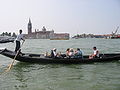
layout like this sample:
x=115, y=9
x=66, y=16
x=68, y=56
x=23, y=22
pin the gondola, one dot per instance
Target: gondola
x=40, y=58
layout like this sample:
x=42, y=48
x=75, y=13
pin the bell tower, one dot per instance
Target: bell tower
x=29, y=27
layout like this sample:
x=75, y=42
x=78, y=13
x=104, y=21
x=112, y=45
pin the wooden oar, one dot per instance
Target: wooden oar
x=10, y=66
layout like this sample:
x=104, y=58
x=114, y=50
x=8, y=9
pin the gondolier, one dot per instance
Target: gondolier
x=18, y=39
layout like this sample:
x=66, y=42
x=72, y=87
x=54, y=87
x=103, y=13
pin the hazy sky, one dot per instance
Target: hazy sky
x=72, y=16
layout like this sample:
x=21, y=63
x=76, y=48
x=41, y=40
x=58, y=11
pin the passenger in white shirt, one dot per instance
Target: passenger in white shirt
x=53, y=53
x=18, y=39
x=71, y=53
x=95, y=53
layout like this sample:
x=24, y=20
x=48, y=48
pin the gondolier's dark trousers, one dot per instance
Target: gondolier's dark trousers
x=17, y=46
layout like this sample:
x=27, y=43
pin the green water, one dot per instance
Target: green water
x=96, y=76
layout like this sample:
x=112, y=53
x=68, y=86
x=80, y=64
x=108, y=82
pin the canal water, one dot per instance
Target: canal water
x=95, y=76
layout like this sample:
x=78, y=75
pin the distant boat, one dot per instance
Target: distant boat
x=40, y=58
x=59, y=39
x=6, y=39
x=115, y=37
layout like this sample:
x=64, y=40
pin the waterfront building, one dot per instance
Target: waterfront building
x=44, y=34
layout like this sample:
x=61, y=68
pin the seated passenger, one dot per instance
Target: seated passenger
x=78, y=53
x=95, y=53
x=71, y=53
x=53, y=53
x=67, y=52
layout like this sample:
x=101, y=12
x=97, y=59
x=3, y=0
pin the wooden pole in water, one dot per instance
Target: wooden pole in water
x=10, y=66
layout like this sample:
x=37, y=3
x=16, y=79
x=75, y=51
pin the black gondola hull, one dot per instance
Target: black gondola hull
x=39, y=58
